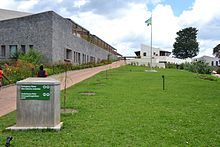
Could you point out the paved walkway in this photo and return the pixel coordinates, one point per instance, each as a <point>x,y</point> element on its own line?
<point>8,94</point>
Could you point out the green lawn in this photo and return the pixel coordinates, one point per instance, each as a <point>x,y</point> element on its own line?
<point>130,108</point>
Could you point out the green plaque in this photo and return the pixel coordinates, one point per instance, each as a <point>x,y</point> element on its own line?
<point>35,92</point>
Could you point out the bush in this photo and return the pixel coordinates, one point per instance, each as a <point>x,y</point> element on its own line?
<point>170,65</point>
<point>106,61</point>
<point>18,71</point>
<point>21,69</point>
<point>202,67</point>
<point>32,56</point>
<point>198,67</point>
<point>218,70</point>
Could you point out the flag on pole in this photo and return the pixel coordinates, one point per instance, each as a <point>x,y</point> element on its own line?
<point>149,21</point>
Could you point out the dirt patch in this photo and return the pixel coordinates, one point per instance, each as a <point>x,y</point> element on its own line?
<point>69,111</point>
<point>87,93</point>
<point>100,84</point>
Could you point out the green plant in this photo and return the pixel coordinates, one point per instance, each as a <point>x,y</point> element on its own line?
<point>18,71</point>
<point>199,67</point>
<point>32,56</point>
<point>170,65</point>
<point>218,70</point>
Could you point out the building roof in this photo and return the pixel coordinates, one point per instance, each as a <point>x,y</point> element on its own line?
<point>207,57</point>
<point>9,14</point>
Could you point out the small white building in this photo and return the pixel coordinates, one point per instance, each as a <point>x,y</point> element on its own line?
<point>159,57</point>
<point>212,61</point>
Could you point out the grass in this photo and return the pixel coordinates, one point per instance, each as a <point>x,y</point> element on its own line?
<point>131,109</point>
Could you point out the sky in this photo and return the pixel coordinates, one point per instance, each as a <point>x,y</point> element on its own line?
<point>121,22</point>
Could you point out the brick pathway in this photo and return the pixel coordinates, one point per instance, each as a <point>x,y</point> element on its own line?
<point>8,94</point>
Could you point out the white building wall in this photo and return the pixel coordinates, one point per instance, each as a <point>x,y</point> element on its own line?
<point>157,60</point>
<point>212,61</point>
<point>147,49</point>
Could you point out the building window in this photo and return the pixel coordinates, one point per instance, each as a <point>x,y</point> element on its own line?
<point>92,59</point>
<point>75,57</point>
<point>2,53</point>
<point>23,50</point>
<point>31,46</point>
<point>216,63</point>
<point>84,58</point>
<point>144,54</point>
<point>87,58</point>
<point>13,50</point>
<point>79,59</point>
<point>212,63</point>
<point>68,54</point>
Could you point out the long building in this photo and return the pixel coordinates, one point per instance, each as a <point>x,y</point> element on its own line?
<point>58,39</point>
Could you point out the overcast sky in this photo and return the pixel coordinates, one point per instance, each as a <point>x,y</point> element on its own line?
<point>121,22</point>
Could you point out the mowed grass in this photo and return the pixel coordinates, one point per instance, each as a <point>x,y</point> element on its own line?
<point>130,108</point>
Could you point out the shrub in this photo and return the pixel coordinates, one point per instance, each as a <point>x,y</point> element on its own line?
<point>201,67</point>
<point>218,70</point>
<point>106,61</point>
<point>198,67</point>
<point>32,56</point>
<point>170,65</point>
<point>18,71</point>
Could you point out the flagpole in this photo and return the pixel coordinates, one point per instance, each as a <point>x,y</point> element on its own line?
<point>151,44</point>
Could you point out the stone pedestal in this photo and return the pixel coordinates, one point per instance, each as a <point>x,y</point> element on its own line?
<point>38,104</point>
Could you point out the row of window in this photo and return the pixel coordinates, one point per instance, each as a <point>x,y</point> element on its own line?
<point>13,49</point>
<point>155,54</point>
<point>216,63</point>
<point>77,57</point>
<point>145,54</point>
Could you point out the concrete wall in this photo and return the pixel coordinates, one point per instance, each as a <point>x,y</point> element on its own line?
<point>63,38</point>
<point>145,62</point>
<point>49,33</point>
<point>33,30</point>
<point>147,49</point>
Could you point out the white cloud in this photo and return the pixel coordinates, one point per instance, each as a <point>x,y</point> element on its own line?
<point>201,13</point>
<point>128,24</point>
<point>9,4</point>
<point>165,26</point>
<point>206,46</point>
<point>125,28</point>
<point>26,5</point>
<point>79,3</point>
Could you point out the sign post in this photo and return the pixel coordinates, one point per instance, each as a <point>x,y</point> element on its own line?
<point>38,104</point>
<point>35,92</point>
<point>163,82</point>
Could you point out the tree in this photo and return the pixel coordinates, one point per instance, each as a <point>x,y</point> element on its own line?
<point>216,51</point>
<point>186,45</point>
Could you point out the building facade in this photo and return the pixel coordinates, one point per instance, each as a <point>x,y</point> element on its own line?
<point>159,57</point>
<point>212,61</point>
<point>58,39</point>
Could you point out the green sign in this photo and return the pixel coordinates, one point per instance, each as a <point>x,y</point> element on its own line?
<point>35,92</point>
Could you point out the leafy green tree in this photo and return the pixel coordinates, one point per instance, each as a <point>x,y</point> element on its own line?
<point>186,45</point>
<point>32,56</point>
<point>216,51</point>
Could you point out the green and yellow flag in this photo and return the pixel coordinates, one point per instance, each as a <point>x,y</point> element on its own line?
<point>149,21</point>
